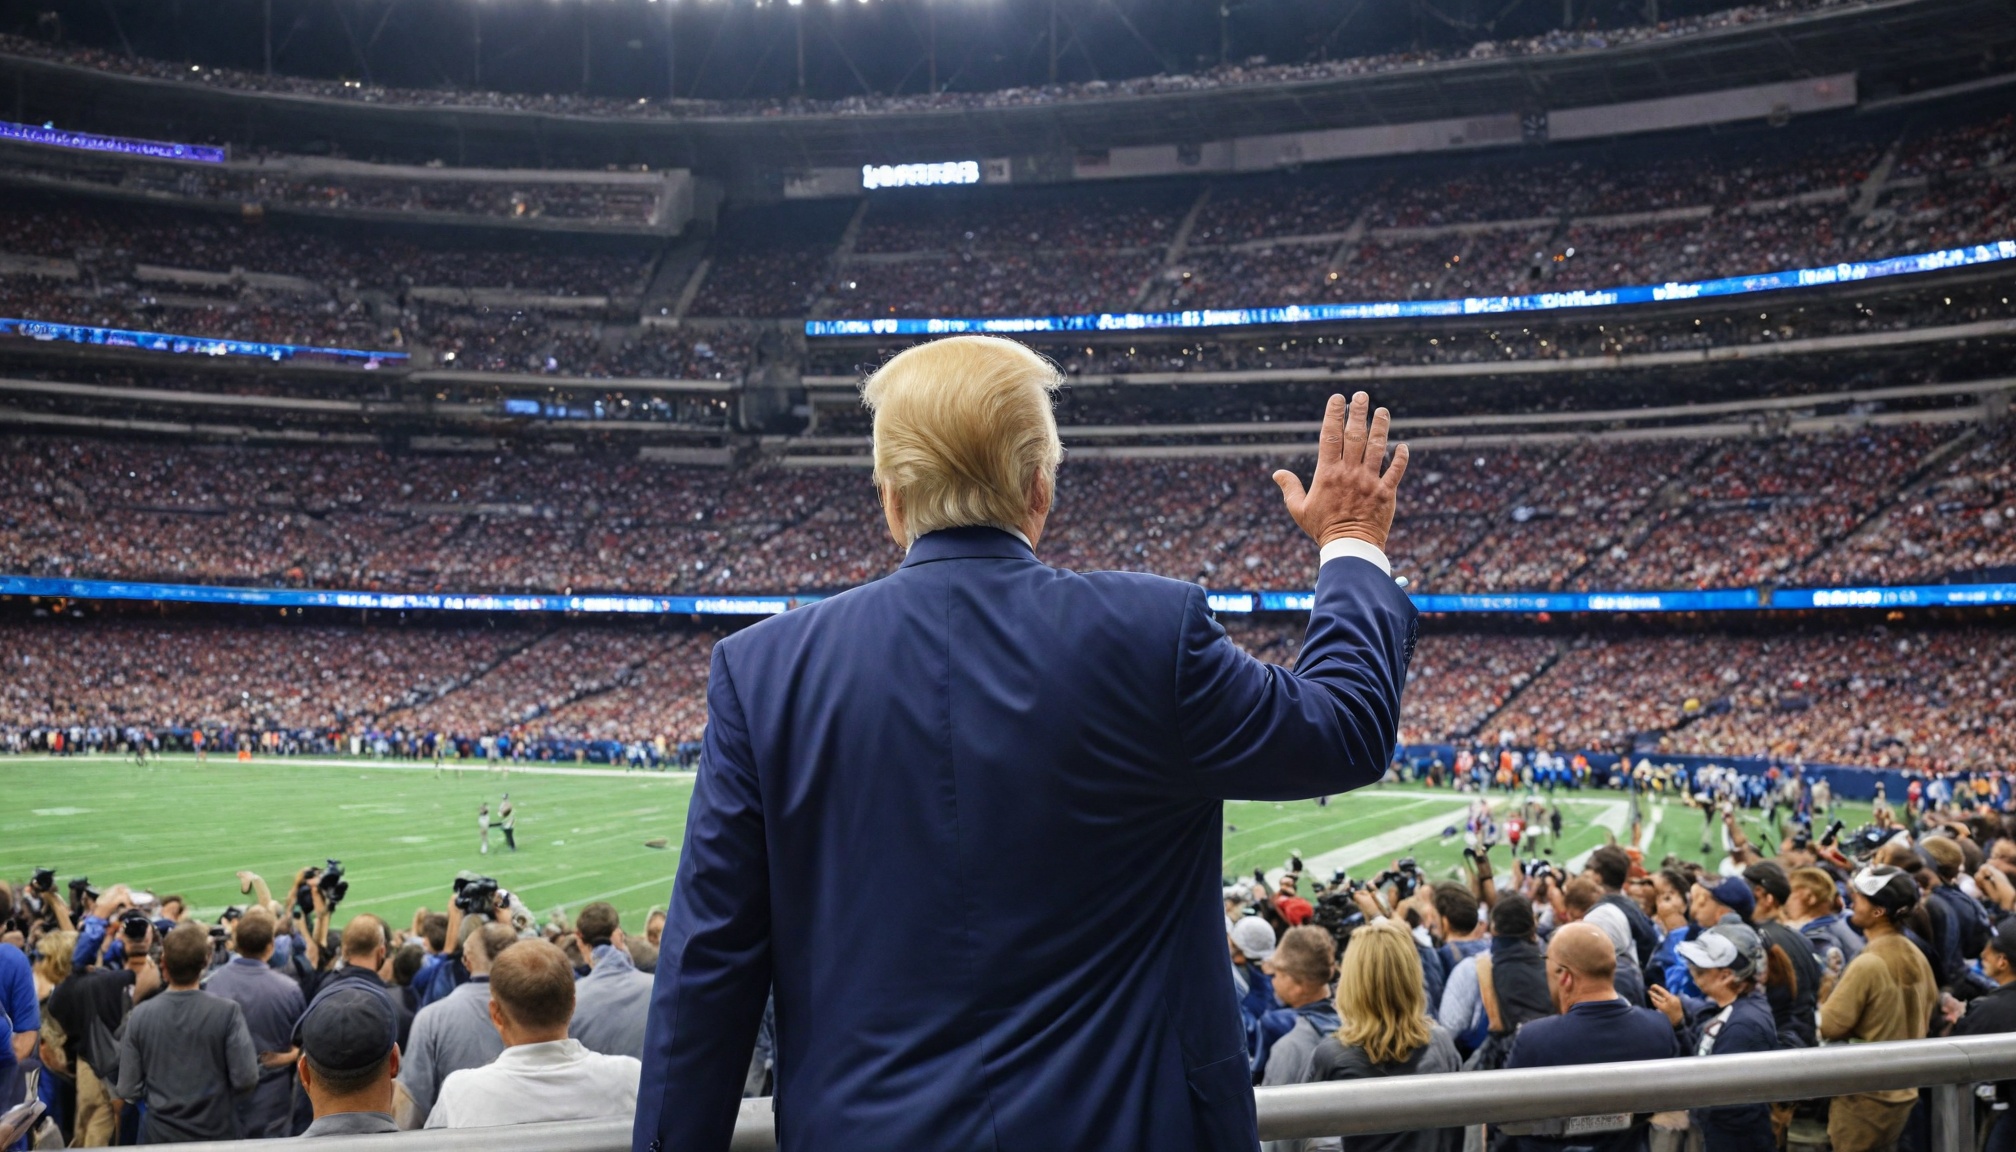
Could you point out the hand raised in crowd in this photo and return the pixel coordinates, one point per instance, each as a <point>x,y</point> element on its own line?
<point>1349,497</point>
<point>113,901</point>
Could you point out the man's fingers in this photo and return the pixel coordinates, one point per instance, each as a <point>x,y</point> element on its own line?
<point>1375,443</point>
<point>1354,431</point>
<point>1291,490</point>
<point>1330,448</point>
<point>1398,468</point>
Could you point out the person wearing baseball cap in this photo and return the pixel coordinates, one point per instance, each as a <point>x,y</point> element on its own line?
<point>1252,944</point>
<point>349,1042</point>
<point>1996,1013</point>
<point>1795,1004</point>
<point>1886,993</point>
<point>1727,964</point>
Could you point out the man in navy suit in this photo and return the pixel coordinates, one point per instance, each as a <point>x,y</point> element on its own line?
<point>917,797</point>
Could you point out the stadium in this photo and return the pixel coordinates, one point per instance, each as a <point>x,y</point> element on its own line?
<point>405,404</point>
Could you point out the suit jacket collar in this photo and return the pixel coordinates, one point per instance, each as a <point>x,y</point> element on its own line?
<point>976,543</point>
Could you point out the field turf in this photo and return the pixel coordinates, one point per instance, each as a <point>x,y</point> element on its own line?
<point>402,833</point>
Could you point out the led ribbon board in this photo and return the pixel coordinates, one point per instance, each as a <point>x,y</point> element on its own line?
<point>1407,309</point>
<point>122,145</point>
<point>875,176</point>
<point>1238,603</point>
<point>189,345</point>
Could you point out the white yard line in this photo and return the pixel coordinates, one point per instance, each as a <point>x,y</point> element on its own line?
<point>1616,816</point>
<point>1385,844</point>
<point>476,768</point>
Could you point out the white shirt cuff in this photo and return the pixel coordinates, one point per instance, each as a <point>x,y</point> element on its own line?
<point>1350,546</point>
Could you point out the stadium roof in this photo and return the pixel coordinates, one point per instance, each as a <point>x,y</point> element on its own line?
<point>1892,44</point>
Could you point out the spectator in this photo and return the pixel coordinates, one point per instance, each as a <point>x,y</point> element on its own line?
<point>1252,945</point>
<point>1795,998</point>
<point>1610,866</point>
<point>1724,965</point>
<point>90,1006</point>
<point>1508,984</point>
<point>1582,898</point>
<point>20,1021</point>
<point>1969,918</point>
<point>187,1053</point>
<point>1594,1026</point>
<point>272,1005</point>
<point>349,1060</point>
<point>1886,993</point>
<point>1814,909</point>
<point>364,951</point>
<point>1302,966</point>
<point>1996,1013</point>
<point>611,1002</point>
<point>455,1032</point>
<point>1386,1031</point>
<point>541,1075</point>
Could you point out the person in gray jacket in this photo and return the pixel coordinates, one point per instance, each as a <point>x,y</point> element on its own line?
<point>1385,1031</point>
<point>454,1032</point>
<point>187,1053</point>
<point>1302,965</point>
<point>612,1002</point>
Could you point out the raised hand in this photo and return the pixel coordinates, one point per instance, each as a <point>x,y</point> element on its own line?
<point>1349,497</point>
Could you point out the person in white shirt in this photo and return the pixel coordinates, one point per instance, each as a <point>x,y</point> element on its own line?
<point>542,1075</point>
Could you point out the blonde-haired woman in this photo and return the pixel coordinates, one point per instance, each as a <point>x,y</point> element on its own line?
<point>1386,1031</point>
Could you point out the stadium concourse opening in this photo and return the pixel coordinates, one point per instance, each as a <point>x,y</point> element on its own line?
<point>425,424</point>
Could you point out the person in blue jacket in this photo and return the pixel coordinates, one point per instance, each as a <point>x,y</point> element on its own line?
<point>1727,963</point>
<point>985,734</point>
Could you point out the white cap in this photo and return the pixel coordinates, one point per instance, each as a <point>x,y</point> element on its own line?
<point>1254,938</point>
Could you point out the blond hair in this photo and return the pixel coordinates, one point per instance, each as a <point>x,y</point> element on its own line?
<point>1379,996</point>
<point>963,428</point>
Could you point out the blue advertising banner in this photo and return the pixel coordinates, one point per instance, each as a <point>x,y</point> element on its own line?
<point>1406,309</point>
<point>1231,603</point>
<point>55,137</point>
<point>189,345</point>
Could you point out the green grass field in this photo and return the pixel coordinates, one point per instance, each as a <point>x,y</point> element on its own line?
<point>402,833</point>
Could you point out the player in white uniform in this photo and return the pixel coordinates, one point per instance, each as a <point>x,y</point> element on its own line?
<point>483,826</point>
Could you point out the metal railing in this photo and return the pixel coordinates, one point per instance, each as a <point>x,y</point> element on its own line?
<point>1950,1067</point>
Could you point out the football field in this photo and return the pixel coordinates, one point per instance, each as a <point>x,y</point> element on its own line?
<point>403,832</point>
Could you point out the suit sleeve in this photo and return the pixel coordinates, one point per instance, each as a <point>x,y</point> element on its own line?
<point>714,964</point>
<point>1257,731</point>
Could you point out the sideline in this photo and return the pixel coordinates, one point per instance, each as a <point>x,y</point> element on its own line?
<point>228,760</point>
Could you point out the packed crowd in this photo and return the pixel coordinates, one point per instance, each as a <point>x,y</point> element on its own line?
<point>1923,700</point>
<point>1664,514</point>
<point>266,1019</point>
<point>1250,72</point>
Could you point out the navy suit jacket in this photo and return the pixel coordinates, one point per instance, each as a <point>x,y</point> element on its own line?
<point>968,818</point>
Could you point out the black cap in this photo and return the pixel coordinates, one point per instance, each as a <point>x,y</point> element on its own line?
<point>347,1030</point>
<point>2004,940</point>
<point>1768,876</point>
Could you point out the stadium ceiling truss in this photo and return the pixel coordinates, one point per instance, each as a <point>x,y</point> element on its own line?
<point>1933,41</point>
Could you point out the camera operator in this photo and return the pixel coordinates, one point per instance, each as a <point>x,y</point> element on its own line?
<point>185,1052</point>
<point>455,1032</point>
<point>272,1004</point>
<point>1491,994</point>
<point>95,943</point>
<point>610,1002</point>
<point>90,1006</point>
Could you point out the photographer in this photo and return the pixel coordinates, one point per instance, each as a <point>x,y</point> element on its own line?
<point>455,1032</point>
<point>1490,995</point>
<point>272,1004</point>
<point>1996,1013</point>
<point>90,1006</point>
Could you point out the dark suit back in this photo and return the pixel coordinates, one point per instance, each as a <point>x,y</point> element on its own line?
<point>970,818</point>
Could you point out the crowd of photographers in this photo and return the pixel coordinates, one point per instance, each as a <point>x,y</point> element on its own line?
<point>134,1021</point>
<point>1903,929</point>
